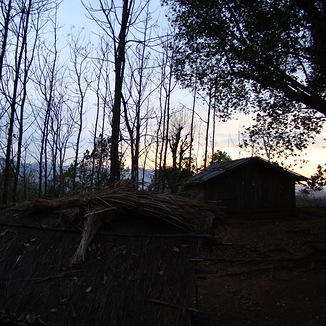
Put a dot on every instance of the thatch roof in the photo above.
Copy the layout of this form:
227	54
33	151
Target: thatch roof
118	257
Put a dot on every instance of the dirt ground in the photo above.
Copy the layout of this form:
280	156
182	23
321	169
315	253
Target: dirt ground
273	272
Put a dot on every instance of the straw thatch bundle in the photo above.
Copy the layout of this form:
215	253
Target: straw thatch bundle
102	207
137	270
178	211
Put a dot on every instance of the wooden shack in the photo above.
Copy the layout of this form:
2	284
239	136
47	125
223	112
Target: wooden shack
248	184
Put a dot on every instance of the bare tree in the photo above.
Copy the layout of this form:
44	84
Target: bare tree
13	95
81	79
174	144
209	109
192	125
50	87
5	18
117	22
179	141
22	23
29	55
139	89
167	84
103	101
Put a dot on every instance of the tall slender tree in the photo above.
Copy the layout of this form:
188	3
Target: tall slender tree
139	89
117	22
22	21
81	79
104	100
47	76
5	18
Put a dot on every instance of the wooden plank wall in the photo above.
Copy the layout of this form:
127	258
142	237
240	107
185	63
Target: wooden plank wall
250	188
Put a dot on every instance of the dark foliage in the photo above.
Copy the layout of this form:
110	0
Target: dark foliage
266	48
317	181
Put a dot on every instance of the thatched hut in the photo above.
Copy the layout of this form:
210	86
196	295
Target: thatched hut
111	258
249	184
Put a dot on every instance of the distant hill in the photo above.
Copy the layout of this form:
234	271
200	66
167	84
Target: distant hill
317	198
32	170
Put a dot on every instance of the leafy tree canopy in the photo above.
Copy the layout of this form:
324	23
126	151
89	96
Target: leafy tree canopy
317	181
220	156
279	137
255	51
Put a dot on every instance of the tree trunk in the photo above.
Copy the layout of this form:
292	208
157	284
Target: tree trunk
6	20
27	65
20	49
119	62
207	128
192	127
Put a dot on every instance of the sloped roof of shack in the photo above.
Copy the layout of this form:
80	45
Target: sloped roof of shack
221	168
